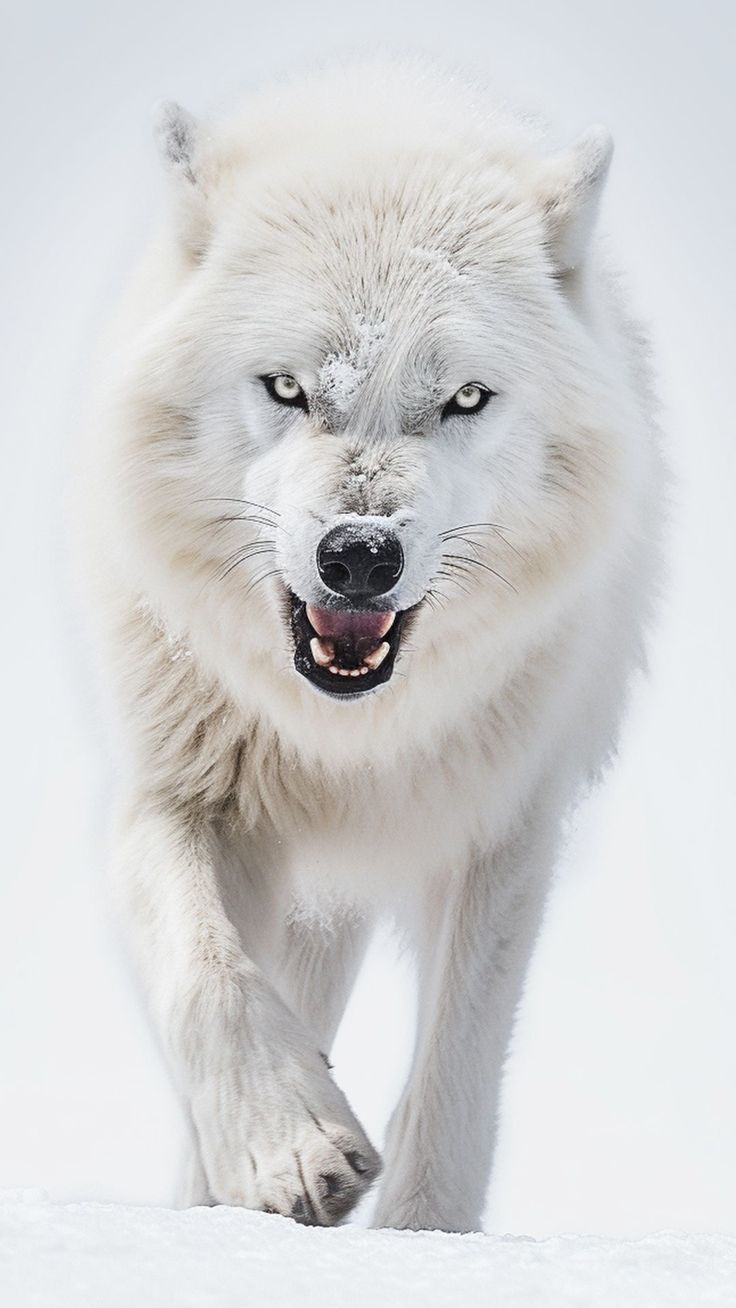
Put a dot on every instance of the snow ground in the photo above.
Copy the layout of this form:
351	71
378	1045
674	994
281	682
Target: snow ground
107	1256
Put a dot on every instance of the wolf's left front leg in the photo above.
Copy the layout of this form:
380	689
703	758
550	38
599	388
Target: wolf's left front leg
477	935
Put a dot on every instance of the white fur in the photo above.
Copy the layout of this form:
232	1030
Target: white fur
386	239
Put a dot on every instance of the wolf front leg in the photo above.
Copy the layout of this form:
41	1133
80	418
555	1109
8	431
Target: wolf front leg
319	962
477	934
273	1130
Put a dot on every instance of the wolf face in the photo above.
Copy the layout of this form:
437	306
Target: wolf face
374	410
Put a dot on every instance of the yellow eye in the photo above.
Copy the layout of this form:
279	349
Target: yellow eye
471	398
285	389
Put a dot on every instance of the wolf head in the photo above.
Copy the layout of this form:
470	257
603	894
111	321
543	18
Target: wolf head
373	419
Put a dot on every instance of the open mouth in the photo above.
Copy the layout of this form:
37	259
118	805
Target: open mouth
345	651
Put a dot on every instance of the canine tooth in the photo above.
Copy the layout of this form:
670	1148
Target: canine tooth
375	659
323	651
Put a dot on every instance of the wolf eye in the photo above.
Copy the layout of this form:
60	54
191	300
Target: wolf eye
471	398
285	389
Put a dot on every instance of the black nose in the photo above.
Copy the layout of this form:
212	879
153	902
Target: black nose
359	562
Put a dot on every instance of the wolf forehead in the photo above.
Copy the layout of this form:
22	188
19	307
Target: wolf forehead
369	261
399	245
370	307
376	286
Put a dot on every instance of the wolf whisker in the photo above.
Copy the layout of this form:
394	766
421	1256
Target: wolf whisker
447	576
235	499
248	517
241	556
477	563
477	526
273	572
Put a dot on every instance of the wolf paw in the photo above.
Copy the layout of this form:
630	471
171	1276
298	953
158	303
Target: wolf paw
288	1144
320	1178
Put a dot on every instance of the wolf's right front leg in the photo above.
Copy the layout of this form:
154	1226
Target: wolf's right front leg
274	1130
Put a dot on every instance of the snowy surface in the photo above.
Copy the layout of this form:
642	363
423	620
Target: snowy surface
106	1256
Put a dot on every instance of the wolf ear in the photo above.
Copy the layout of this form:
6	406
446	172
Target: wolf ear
570	190
183	147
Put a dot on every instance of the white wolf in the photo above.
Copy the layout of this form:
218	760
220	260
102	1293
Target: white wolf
372	506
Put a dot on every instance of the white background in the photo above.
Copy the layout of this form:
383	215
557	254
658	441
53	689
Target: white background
619	1107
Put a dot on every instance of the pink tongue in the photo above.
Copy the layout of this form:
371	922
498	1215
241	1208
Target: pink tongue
333	624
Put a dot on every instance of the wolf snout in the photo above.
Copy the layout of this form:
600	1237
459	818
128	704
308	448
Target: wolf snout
360	561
